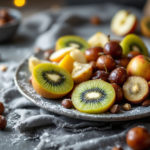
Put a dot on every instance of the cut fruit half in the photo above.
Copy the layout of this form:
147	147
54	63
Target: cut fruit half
51	81
81	72
135	89
133	42
98	40
123	23
72	41
94	96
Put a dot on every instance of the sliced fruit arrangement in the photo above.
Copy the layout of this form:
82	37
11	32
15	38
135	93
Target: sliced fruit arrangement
95	96
133	42
135	89
71	41
95	76
51	81
145	26
123	23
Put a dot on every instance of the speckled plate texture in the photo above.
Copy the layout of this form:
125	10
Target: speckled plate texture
22	82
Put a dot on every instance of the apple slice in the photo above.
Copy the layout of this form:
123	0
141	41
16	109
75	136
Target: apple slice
98	40
123	23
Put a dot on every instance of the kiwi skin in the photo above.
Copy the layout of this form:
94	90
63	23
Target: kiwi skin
43	92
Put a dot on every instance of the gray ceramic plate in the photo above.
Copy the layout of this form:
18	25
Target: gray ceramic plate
22	82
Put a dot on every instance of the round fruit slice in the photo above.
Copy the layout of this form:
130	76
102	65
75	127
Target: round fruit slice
145	26
72	41
133	42
51	81
135	89
94	96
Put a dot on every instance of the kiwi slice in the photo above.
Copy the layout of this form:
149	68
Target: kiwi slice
135	89
72	41
133	42
93	96
51	81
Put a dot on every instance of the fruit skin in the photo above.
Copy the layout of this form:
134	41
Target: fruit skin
105	62
86	72
62	42
133	54
139	66
128	41
92	84
138	138
145	26
1	108
113	48
44	92
131	89
123	23
122	62
92	54
67	103
118	76
100	74
99	39
95	20
67	63
119	92
3	122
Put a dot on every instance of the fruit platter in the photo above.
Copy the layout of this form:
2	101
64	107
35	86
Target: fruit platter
99	79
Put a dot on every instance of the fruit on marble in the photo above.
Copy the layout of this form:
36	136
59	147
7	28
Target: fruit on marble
59	55
93	96
133	42
145	26
123	23
72	41
81	72
135	89
139	66
118	76
93	53
138	138
51	81
105	62
67	63
113	48
32	62
98	40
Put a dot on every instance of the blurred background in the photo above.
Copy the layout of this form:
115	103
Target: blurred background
31	6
